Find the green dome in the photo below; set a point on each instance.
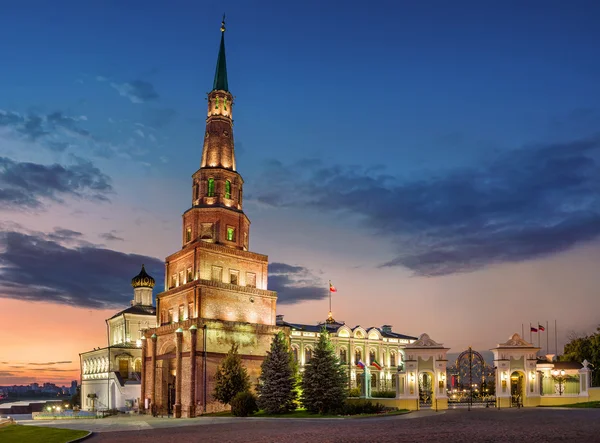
(143, 280)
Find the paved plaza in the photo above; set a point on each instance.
(479, 425)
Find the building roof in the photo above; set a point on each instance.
(136, 310)
(333, 327)
(220, 82)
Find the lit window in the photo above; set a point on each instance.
(230, 234)
(372, 356)
(190, 310)
(188, 234)
(180, 282)
(393, 359)
(180, 313)
(190, 276)
(343, 356)
(211, 187)
(295, 353)
(170, 316)
(227, 189)
(357, 356)
(173, 280)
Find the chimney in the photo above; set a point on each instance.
(386, 328)
(279, 319)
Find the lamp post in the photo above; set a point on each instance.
(559, 377)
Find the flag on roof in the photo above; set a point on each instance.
(331, 287)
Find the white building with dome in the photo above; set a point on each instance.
(111, 376)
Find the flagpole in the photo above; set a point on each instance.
(555, 340)
(530, 338)
(522, 330)
(538, 325)
(547, 346)
(330, 296)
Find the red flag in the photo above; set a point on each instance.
(541, 328)
(331, 287)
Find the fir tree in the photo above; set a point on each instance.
(231, 377)
(324, 380)
(277, 382)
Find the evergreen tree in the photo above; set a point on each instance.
(324, 380)
(277, 382)
(231, 377)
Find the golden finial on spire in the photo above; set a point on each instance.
(223, 24)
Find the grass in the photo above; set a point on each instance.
(303, 413)
(587, 404)
(35, 434)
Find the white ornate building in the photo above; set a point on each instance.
(380, 349)
(110, 376)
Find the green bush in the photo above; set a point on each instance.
(244, 404)
(363, 407)
(383, 394)
(354, 392)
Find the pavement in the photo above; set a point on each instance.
(479, 425)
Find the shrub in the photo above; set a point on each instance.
(244, 404)
(354, 392)
(383, 394)
(363, 407)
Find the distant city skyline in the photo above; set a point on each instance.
(437, 162)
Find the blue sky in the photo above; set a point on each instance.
(434, 159)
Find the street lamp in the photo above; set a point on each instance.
(559, 377)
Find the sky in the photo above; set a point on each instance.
(437, 161)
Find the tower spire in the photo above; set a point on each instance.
(220, 82)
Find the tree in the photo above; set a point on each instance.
(231, 377)
(585, 348)
(324, 380)
(277, 382)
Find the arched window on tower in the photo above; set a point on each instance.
(211, 187)
(227, 189)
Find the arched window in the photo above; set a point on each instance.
(357, 355)
(227, 189)
(343, 356)
(373, 380)
(392, 359)
(372, 356)
(295, 353)
(195, 191)
(307, 355)
(211, 187)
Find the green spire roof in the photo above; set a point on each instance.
(220, 82)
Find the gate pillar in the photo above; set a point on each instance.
(516, 358)
(423, 355)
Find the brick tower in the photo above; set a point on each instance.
(215, 289)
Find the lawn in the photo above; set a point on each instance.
(35, 434)
(588, 404)
(303, 413)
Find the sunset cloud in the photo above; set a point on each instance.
(527, 203)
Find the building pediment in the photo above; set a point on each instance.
(424, 341)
